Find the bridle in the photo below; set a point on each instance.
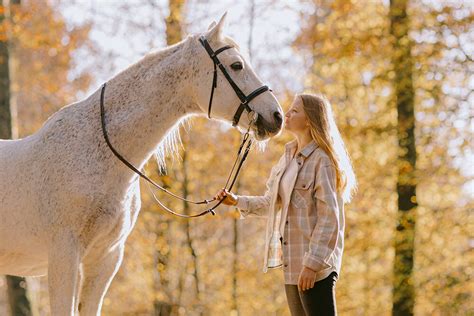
(243, 149)
(244, 99)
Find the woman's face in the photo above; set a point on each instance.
(295, 118)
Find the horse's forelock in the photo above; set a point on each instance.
(229, 41)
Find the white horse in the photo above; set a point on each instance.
(67, 204)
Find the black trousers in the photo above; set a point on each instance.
(319, 300)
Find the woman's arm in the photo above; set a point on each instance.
(257, 205)
(325, 233)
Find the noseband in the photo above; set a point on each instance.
(244, 99)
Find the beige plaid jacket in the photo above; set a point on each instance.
(311, 227)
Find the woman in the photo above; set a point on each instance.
(304, 204)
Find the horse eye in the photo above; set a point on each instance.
(237, 65)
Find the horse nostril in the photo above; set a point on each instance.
(278, 118)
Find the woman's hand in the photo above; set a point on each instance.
(306, 279)
(229, 197)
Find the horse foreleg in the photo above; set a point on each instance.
(63, 274)
(98, 271)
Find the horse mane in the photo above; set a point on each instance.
(171, 142)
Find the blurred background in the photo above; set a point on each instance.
(400, 77)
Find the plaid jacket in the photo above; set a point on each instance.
(311, 227)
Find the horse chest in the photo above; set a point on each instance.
(114, 222)
(127, 215)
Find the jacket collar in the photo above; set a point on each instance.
(306, 151)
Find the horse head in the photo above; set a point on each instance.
(229, 89)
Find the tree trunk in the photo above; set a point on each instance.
(5, 114)
(173, 22)
(403, 288)
(187, 227)
(173, 36)
(235, 261)
(18, 300)
(17, 296)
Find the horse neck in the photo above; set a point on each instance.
(144, 102)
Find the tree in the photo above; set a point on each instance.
(19, 303)
(5, 114)
(174, 35)
(403, 288)
(349, 48)
(25, 41)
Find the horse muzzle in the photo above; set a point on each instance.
(265, 129)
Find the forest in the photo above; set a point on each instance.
(400, 77)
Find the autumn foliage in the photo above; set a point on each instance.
(212, 265)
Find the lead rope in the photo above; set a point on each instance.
(149, 181)
(128, 164)
(247, 149)
(212, 209)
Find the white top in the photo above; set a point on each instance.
(284, 192)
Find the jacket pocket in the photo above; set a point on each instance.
(301, 193)
(303, 204)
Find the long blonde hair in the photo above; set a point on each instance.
(326, 134)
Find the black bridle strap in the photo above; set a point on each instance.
(213, 55)
(245, 106)
(214, 78)
(244, 100)
(247, 149)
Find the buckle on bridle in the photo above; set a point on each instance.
(252, 116)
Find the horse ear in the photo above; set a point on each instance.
(211, 25)
(222, 19)
(215, 30)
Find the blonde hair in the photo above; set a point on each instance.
(325, 133)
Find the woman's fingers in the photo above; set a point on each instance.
(305, 283)
(311, 281)
(223, 193)
(220, 194)
(308, 283)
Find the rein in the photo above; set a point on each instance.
(243, 149)
(246, 141)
